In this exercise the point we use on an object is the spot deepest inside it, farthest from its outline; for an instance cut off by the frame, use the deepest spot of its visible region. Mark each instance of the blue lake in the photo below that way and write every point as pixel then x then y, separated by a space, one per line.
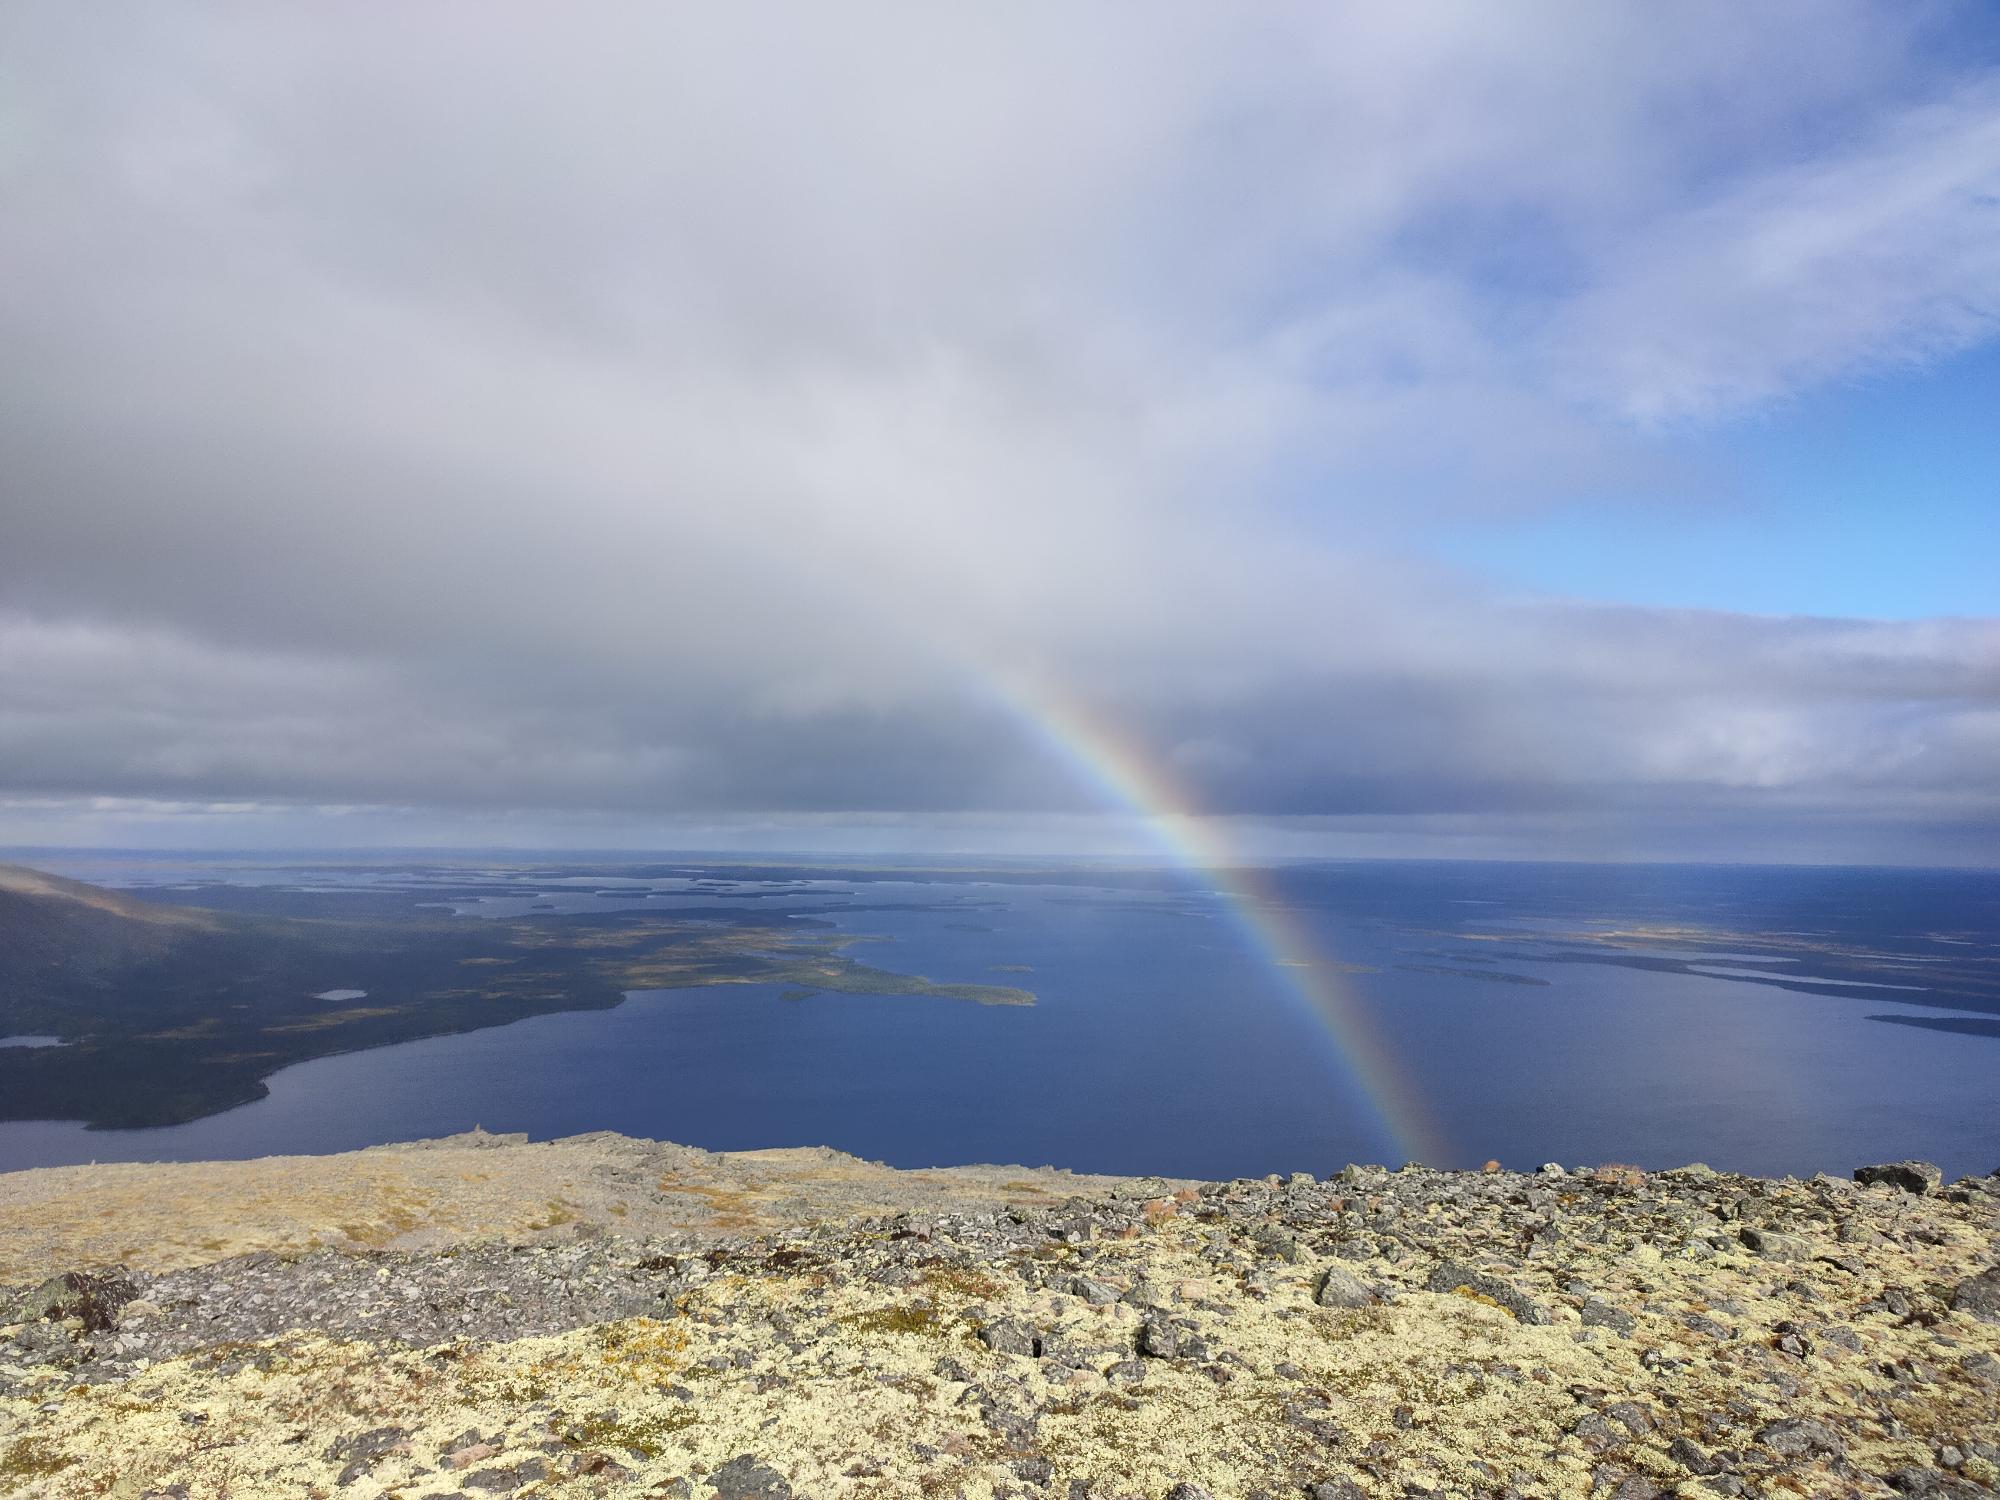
pixel 1657 1015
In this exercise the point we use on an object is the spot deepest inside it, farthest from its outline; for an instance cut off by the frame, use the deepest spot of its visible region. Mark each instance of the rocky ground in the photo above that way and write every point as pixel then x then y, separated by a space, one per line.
pixel 992 1331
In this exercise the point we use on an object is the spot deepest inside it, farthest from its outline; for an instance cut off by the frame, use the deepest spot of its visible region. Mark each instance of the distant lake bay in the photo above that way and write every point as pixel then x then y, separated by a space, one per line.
pixel 1765 1020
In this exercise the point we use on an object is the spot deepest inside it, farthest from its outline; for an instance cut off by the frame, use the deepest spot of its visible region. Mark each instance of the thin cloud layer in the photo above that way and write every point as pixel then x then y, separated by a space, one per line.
pixel 626 412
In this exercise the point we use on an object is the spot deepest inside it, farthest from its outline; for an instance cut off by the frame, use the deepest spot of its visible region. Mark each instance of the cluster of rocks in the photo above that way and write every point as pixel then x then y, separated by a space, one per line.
pixel 1379 1333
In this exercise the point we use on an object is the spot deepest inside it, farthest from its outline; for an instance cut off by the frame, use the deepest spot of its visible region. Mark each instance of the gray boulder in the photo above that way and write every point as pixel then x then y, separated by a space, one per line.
pixel 1597 1313
pixel 1009 1336
pixel 744 1478
pixel 1979 1295
pixel 1802 1437
pixel 1342 1288
pixel 1774 1246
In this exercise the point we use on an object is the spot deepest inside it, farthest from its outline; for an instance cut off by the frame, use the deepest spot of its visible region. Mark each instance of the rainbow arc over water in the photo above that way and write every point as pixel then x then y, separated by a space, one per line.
pixel 1121 770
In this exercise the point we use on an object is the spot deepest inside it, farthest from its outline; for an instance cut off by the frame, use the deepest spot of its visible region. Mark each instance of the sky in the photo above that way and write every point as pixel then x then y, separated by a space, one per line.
pixel 1556 430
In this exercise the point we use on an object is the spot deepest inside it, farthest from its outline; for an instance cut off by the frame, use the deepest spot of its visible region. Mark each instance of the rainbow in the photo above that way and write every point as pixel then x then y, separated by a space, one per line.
pixel 1121 770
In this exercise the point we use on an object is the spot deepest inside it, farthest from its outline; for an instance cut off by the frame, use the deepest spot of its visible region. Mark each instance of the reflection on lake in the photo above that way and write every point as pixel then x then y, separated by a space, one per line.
pixel 1668 1015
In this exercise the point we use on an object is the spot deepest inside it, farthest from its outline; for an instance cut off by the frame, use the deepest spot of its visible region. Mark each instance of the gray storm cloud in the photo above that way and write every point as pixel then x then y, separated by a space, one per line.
pixel 660 411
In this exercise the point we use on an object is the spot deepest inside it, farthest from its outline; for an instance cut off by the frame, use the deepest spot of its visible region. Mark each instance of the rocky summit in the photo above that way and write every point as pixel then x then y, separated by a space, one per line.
pixel 607 1317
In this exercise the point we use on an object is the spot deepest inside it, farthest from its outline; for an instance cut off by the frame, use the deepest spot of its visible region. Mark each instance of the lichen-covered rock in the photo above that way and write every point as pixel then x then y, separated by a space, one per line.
pixel 1453 1276
pixel 93 1298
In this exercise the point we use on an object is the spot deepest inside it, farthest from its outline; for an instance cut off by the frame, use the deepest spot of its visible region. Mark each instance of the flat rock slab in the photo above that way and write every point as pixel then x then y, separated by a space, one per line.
pixel 430 1194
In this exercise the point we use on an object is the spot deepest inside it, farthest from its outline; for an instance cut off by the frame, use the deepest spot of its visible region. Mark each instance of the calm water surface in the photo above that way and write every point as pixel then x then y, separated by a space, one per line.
pixel 1776 1021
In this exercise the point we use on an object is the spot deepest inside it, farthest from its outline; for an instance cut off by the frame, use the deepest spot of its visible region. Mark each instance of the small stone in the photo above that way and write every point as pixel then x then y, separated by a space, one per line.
pixel 368 1446
pixel 1597 1313
pixel 1802 1437
pixel 1009 1336
pixel 1918 1177
pixel 1186 1491
pixel 1035 1469
pixel 1689 1456
pixel 1600 1433
pixel 506 1481
pixel 1929 1484
pixel 744 1478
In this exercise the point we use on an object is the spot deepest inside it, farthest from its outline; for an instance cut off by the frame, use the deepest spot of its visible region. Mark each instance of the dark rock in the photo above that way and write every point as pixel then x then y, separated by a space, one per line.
pixel 1277 1243
pixel 1316 1422
pixel 1918 1177
pixel 1637 1487
pixel 1035 1469
pixel 1600 1432
pixel 369 1445
pixel 1979 1295
pixel 744 1478
pixel 1684 1452
pixel 1930 1484
pixel 506 1481
pixel 1802 1437
pixel 1014 1429
pixel 1635 1418
pixel 1009 1336
pixel 1455 1277
pixel 1186 1491
pixel 600 1464
pixel 92 1298
pixel 1597 1313
pixel 47 1344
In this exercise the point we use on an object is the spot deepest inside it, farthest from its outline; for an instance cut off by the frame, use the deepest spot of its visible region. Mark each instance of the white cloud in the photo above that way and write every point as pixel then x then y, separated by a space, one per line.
pixel 668 410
